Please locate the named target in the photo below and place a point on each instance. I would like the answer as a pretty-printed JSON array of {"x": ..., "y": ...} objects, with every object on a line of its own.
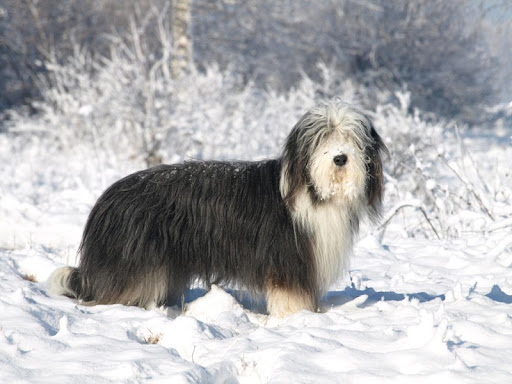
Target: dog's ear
[
  {"x": 294, "y": 164},
  {"x": 374, "y": 171}
]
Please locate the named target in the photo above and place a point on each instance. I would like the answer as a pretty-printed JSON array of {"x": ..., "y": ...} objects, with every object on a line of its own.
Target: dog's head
[{"x": 333, "y": 155}]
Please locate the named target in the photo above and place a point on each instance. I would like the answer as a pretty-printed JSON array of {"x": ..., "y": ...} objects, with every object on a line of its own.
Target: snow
[{"x": 413, "y": 308}]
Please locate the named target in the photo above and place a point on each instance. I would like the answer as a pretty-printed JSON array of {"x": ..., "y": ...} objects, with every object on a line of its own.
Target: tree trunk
[{"x": 181, "y": 60}]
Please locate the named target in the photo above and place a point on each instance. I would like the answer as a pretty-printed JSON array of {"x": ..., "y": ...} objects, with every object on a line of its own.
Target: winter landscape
[{"x": 427, "y": 297}]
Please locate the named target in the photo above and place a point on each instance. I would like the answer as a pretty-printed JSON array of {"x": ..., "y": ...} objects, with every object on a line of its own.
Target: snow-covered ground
[{"x": 412, "y": 309}]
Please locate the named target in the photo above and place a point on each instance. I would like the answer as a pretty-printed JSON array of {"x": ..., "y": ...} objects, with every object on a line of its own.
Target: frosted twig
[
  {"x": 470, "y": 189},
  {"x": 398, "y": 208}
]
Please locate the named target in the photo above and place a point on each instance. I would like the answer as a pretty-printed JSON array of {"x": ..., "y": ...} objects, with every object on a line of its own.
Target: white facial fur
[{"x": 334, "y": 182}]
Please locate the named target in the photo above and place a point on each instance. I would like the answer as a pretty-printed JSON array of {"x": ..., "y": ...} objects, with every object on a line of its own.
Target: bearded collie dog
[{"x": 283, "y": 228}]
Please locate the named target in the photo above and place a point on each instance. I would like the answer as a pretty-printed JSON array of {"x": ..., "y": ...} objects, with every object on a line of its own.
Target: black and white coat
[{"x": 282, "y": 227}]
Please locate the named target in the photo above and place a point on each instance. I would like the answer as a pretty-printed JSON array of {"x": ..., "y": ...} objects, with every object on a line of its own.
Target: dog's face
[
  {"x": 334, "y": 155},
  {"x": 337, "y": 170}
]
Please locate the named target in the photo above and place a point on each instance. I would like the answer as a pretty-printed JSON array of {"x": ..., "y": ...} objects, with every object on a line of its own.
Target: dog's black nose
[{"x": 340, "y": 160}]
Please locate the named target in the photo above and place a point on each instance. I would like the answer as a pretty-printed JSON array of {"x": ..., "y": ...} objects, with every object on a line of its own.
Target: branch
[
  {"x": 410, "y": 204},
  {"x": 469, "y": 188}
]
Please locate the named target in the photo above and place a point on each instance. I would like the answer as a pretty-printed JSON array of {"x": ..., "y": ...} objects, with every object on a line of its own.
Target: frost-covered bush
[
  {"x": 129, "y": 113},
  {"x": 431, "y": 171},
  {"x": 444, "y": 51},
  {"x": 35, "y": 32}
]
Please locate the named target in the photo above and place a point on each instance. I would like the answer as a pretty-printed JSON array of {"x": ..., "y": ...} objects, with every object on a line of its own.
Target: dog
[{"x": 283, "y": 228}]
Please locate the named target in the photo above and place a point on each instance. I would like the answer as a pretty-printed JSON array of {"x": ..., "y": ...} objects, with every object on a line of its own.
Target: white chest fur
[
  {"x": 332, "y": 234},
  {"x": 333, "y": 241}
]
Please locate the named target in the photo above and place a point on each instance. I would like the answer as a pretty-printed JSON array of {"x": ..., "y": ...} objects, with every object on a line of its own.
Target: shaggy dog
[{"x": 282, "y": 227}]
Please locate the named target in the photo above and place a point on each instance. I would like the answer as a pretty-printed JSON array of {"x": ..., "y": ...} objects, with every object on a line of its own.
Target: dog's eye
[{"x": 340, "y": 160}]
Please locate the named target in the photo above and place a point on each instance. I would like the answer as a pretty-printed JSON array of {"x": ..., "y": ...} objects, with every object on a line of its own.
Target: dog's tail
[{"x": 65, "y": 281}]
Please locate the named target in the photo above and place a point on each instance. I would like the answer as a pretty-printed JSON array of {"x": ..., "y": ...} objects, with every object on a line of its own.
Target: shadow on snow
[
  {"x": 332, "y": 298},
  {"x": 497, "y": 294},
  {"x": 337, "y": 298}
]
